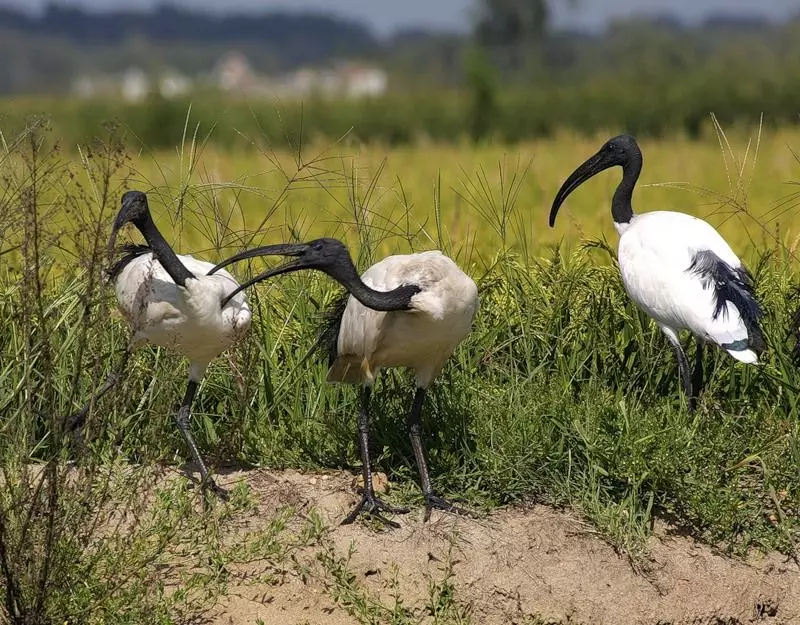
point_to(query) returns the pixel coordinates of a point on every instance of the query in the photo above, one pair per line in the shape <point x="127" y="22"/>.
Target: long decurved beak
<point x="281" y="249"/>
<point x="121" y="219"/>
<point x="591" y="167"/>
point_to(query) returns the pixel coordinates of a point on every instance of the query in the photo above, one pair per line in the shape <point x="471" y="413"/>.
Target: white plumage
<point x="655" y="251"/>
<point x="421" y="338"/>
<point x="405" y="311"/>
<point x="187" y="320"/>
<point x="169" y="301"/>
<point x="677" y="268"/>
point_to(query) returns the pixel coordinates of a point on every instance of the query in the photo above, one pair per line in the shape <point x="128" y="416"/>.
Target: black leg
<point x="74" y="423"/>
<point x="432" y="500"/>
<point x="369" y="503"/>
<point x="182" y="419"/>
<point x="683" y="366"/>
<point x="697" y="374"/>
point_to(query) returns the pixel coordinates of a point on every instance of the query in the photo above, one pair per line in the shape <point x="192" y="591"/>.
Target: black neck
<point x="164" y="253"/>
<point x="396" y="299"/>
<point x="621" y="206"/>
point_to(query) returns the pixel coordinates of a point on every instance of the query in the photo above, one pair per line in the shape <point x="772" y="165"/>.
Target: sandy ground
<point x="514" y="566"/>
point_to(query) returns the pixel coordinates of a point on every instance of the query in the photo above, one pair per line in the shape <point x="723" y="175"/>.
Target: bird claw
<point x="439" y="503"/>
<point x="212" y="487"/>
<point x="373" y="506"/>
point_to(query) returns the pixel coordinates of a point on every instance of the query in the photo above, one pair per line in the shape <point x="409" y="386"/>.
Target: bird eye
<point x="317" y="246"/>
<point x="610" y="147"/>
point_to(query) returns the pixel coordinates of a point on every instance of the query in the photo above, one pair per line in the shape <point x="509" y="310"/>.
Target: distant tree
<point x="483" y="89"/>
<point x="510" y="22"/>
<point x="512" y="30"/>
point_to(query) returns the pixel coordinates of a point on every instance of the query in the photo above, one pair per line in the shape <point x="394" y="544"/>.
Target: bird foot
<point x="440" y="503"/>
<point x="374" y="507"/>
<point x="209" y="485"/>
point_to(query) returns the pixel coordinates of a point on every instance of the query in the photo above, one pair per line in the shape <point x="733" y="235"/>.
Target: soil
<point x="520" y="565"/>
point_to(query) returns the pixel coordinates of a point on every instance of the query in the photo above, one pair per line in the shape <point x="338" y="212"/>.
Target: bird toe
<point x="434" y="502"/>
<point x="375" y="508"/>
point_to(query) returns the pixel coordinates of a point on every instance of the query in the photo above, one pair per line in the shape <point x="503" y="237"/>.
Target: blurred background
<point x="397" y="72"/>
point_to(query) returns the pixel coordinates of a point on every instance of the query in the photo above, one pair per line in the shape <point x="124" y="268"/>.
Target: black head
<point x="133" y="208"/>
<point x="328" y="255"/>
<point x="324" y="254"/>
<point x="319" y="254"/>
<point x="618" y="150"/>
<point x="621" y="150"/>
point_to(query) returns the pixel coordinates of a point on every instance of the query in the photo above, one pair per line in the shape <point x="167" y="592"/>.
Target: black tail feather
<point x="130" y="252"/>
<point x="795" y="330"/>
<point x="330" y="324"/>
<point x="734" y="285"/>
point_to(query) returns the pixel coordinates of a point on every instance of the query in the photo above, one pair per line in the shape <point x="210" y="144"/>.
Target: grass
<point x="563" y="393"/>
<point x="453" y="196"/>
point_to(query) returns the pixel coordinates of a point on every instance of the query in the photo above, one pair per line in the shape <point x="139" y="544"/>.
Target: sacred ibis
<point x="169" y="301"/>
<point x="408" y="310"/>
<point x="677" y="268"/>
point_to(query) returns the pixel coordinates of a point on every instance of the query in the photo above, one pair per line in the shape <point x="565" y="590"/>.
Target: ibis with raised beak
<point x="677" y="268"/>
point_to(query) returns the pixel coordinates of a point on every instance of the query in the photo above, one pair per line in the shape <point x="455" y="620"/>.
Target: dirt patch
<point x="526" y="566"/>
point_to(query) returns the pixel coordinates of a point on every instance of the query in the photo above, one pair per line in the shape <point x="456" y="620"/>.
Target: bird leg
<point x="74" y="423"/>
<point x="683" y="366"/>
<point x="182" y="419"/>
<point x="432" y="500"/>
<point x="697" y="374"/>
<point x="369" y="503"/>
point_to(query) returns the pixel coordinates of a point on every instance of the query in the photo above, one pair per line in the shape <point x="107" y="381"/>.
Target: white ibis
<point x="169" y="301"/>
<point x="677" y="268"/>
<point x="405" y="311"/>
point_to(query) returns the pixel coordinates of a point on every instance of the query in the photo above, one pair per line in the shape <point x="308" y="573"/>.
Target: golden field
<point x="459" y="196"/>
<point x="470" y="200"/>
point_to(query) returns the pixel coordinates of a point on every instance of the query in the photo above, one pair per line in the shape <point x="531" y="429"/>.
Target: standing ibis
<point x="409" y="310"/>
<point x="169" y="301"/>
<point x="677" y="268"/>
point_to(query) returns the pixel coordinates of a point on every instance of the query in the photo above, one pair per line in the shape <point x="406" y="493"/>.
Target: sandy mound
<point x="525" y="566"/>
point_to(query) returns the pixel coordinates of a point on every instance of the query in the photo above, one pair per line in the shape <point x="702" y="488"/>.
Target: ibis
<point x="169" y="301"/>
<point x="676" y="268"/>
<point x="408" y="310"/>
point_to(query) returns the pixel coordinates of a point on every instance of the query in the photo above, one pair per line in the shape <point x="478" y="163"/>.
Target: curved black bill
<point x="294" y="265"/>
<point x="280" y="249"/>
<point x="592" y="166"/>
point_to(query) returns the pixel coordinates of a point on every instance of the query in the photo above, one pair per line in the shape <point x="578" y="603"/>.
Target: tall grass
<point x="89" y="526"/>
<point x="563" y="393"/>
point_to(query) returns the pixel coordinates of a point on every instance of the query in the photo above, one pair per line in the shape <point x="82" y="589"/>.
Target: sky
<point x="385" y="16"/>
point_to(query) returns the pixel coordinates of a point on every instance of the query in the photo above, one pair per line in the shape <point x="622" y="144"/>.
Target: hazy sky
<point x="386" y="15"/>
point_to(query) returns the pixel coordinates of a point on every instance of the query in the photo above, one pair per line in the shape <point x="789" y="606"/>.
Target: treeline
<point x="173" y="23"/>
<point x="643" y="109"/>
<point x="45" y="53"/>
<point x="650" y="77"/>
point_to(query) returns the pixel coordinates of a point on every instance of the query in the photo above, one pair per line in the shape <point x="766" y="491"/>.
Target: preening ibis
<point x="408" y="310"/>
<point x="677" y="268"/>
<point x="169" y="301"/>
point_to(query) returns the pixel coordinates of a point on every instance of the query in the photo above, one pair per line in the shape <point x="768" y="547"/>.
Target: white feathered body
<point x="422" y="338"/>
<point x="656" y="250"/>
<point x="188" y="320"/>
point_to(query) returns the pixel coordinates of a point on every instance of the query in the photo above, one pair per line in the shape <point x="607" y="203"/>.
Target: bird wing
<point x="146" y="294"/>
<point x="681" y="271"/>
<point x="421" y="338"/>
<point x="735" y="305"/>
